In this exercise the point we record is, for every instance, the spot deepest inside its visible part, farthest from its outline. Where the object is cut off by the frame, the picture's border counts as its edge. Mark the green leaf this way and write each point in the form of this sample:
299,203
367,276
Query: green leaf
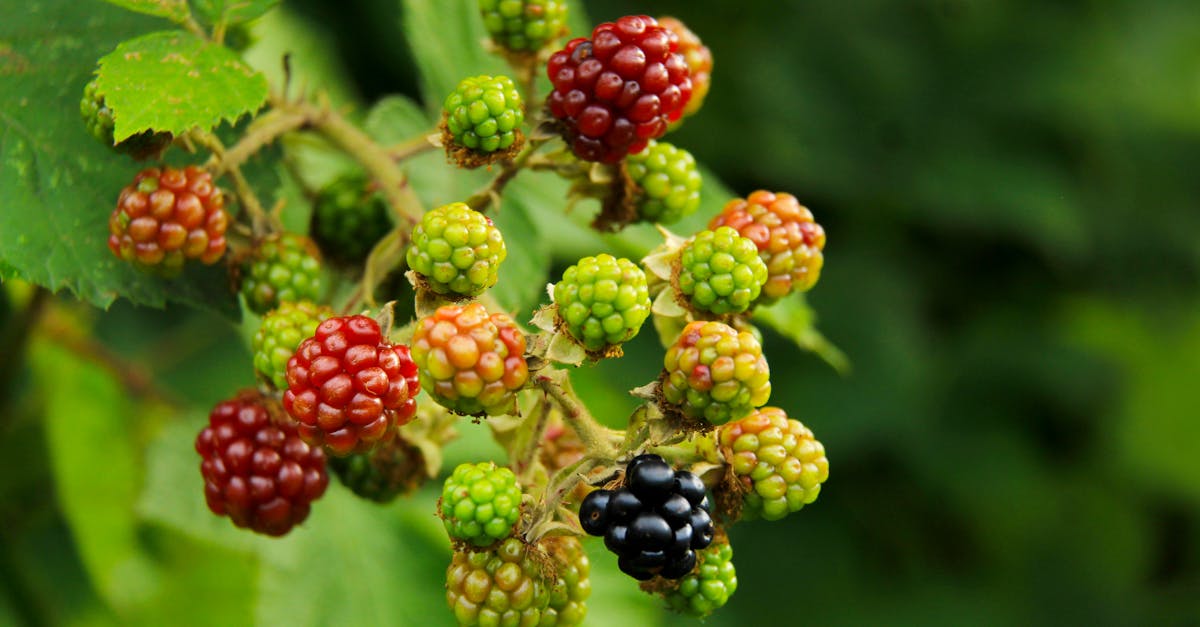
233,11
173,81
59,185
795,320
174,10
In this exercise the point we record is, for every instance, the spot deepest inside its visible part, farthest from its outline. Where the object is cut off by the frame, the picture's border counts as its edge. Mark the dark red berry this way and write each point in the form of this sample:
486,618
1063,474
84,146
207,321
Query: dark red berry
619,89
257,470
348,387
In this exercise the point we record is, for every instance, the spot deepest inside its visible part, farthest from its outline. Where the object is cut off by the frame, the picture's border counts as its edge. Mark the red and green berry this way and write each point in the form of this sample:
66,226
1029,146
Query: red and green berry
282,330
167,216
778,461
787,237
715,373
472,362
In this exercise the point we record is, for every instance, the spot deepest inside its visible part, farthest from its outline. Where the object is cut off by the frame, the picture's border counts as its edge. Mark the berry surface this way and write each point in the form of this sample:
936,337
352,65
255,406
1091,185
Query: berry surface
709,586
481,503
456,250
257,470
602,301
699,61
572,586
655,522
484,113
715,373
383,473
472,362
618,90
98,119
777,459
282,330
524,25
280,269
348,387
789,241
500,586
349,218
166,216
720,271
669,182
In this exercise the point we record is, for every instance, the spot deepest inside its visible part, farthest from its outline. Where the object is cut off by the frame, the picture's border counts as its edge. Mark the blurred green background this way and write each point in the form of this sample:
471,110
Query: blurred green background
1009,189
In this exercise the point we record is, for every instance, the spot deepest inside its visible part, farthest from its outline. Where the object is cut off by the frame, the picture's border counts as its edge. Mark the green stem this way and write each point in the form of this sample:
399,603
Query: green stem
599,440
260,220
265,130
412,147
481,200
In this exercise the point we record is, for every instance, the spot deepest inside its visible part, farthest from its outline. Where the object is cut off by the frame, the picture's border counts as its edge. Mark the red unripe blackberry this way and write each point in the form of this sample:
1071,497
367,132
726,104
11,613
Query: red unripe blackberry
699,61
788,240
257,470
619,89
348,387
472,362
168,215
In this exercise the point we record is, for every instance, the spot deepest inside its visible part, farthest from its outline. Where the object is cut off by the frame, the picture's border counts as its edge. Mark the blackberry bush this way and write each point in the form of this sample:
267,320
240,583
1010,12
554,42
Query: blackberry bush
417,242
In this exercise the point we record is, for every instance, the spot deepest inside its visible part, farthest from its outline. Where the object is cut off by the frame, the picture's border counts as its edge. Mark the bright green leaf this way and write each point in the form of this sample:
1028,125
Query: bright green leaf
173,81
174,10
59,185
233,11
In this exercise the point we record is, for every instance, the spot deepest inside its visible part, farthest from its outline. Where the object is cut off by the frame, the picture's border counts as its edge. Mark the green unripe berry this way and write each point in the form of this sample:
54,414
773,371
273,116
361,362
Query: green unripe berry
709,585
282,330
349,218
484,113
481,503
457,250
602,301
720,271
281,269
669,181
523,25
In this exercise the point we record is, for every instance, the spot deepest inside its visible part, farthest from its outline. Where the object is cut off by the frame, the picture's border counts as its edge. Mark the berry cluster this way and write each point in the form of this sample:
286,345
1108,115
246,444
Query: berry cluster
349,217
383,473
280,269
668,182
709,586
572,585
166,216
618,90
720,272
788,239
348,387
480,503
257,470
655,522
778,461
471,362
456,251
602,301
715,373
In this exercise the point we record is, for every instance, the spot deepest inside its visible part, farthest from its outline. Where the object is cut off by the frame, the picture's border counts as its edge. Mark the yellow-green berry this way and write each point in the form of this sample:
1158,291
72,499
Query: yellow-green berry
480,503
602,301
281,269
669,182
778,461
715,373
720,271
456,250
500,586
709,586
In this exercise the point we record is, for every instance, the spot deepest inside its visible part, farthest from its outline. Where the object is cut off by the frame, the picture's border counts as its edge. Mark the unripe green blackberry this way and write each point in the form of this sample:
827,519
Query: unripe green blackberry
668,180
572,587
709,586
282,330
383,473
602,301
456,250
349,218
720,271
778,461
500,586
715,373
98,119
471,362
484,113
280,269
524,25
789,240
480,503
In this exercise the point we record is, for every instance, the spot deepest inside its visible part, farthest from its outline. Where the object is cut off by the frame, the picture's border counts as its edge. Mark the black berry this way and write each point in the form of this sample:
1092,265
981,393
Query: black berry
593,514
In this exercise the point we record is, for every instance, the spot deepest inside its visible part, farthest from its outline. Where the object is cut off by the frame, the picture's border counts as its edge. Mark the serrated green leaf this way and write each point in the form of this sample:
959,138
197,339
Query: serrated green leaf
233,11
59,185
173,81
174,10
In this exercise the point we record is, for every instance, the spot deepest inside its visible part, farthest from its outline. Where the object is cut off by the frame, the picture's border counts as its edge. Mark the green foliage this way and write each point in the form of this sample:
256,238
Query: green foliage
174,10
233,11
173,81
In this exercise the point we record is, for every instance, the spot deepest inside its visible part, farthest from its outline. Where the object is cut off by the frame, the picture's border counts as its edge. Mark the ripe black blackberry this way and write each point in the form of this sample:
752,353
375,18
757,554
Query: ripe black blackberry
655,522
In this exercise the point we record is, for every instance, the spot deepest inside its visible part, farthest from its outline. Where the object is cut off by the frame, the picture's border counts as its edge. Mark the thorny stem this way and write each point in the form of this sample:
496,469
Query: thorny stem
265,130
412,147
599,440
522,460
259,218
